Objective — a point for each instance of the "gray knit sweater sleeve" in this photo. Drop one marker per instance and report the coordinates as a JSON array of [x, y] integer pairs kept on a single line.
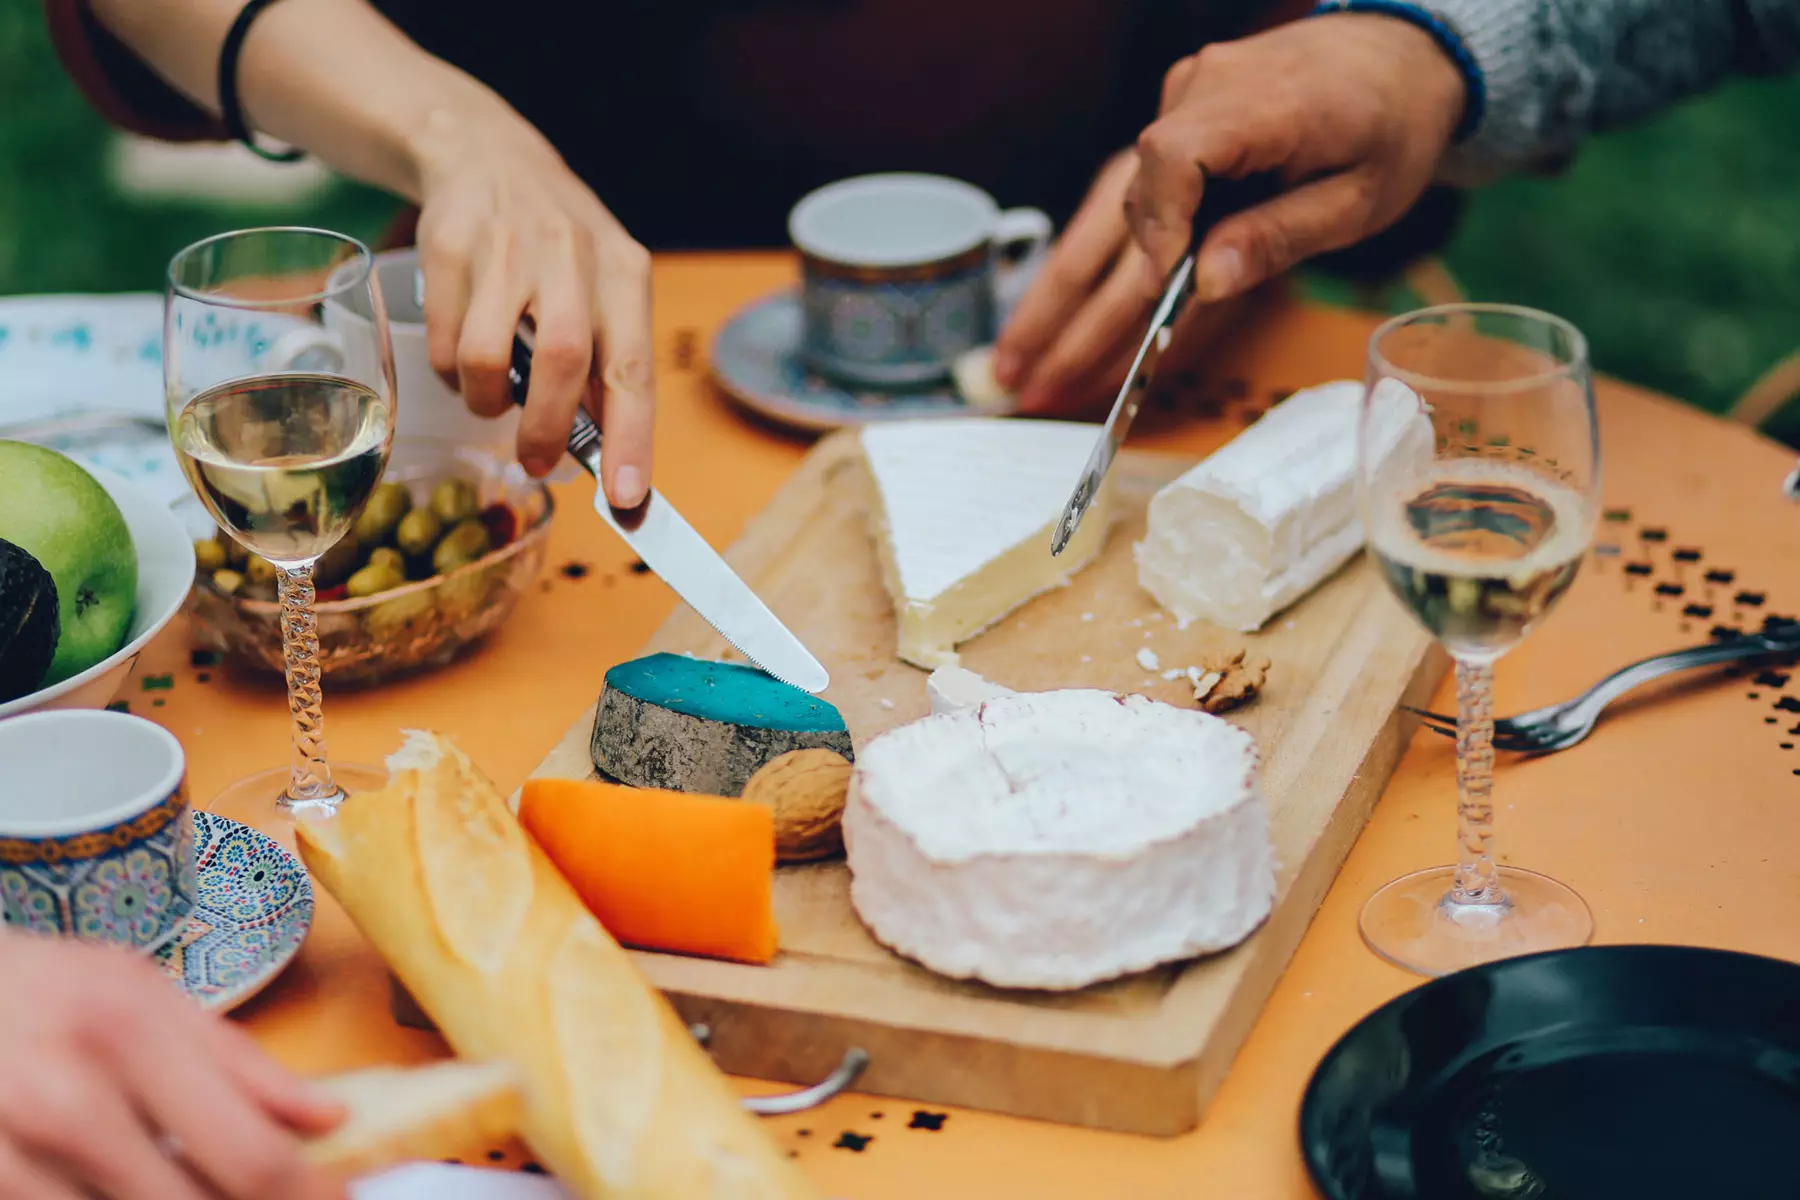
[[1557, 70]]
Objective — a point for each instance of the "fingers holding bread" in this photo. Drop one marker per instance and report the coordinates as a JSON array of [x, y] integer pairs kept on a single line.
[[406, 1114]]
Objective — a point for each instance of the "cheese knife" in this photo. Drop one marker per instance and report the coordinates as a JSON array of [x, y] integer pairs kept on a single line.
[[669, 546], [1221, 198], [672, 548]]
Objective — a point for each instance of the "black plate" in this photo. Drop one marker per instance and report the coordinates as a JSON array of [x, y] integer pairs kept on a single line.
[[1606, 1073]]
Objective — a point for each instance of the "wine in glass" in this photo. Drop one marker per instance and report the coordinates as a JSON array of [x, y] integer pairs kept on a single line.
[[282, 449], [1479, 536]]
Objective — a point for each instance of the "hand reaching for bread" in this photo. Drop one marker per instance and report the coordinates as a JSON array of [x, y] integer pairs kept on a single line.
[[112, 1083]]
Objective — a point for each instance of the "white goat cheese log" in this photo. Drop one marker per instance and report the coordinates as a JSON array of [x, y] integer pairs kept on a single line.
[[1057, 839], [1272, 514]]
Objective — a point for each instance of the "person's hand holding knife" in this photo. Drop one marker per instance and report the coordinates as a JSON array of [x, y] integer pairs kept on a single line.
[[1351, 113]]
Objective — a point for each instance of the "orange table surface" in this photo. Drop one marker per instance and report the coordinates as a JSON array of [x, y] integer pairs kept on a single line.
[[1675, 820]]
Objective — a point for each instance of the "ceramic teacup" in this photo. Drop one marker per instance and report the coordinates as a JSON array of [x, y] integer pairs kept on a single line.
[[902, 273], [96, 842], [427, 407]]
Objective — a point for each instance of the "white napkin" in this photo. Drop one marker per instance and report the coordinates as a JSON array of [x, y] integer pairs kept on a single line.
[[61, 355], [440, 1181]]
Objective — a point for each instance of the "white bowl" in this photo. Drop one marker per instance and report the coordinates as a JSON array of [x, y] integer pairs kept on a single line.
[[165, 555]]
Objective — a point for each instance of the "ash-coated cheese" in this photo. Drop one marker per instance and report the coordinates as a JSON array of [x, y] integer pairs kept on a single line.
[[1272, 514], [1057, 839], [962, 520], [693, 725]]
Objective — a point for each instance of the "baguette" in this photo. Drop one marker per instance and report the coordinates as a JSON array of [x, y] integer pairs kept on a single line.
[[619, 1101], [407, 1114]]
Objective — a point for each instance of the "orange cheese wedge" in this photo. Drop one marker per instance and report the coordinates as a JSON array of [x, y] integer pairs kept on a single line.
[[662, 870]]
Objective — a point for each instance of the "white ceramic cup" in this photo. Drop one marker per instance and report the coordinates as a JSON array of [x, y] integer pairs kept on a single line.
[[96, 841], [427, 406], [903, 273]]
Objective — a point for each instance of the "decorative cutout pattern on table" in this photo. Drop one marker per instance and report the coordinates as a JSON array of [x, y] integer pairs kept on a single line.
[[1680, 575]]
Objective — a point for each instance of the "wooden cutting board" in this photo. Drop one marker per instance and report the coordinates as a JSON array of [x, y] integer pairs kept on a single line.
[[1143, 1054]]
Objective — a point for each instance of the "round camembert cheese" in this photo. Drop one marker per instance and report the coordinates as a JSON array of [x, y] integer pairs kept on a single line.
[[1057, 839]]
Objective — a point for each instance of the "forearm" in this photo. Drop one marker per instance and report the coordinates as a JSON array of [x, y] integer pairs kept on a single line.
[[332, 76], [1558, 70]]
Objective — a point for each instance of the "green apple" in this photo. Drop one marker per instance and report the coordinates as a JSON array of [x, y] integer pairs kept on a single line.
[[59, 514]]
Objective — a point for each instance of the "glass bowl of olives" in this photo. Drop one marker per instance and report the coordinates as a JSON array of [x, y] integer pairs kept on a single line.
[[450, 539]]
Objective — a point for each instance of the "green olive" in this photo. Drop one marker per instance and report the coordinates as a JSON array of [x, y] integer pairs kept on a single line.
[[259, 570], [235, 555], [392, 617], [461, 597], [389, 557], [462, 545], [227, 580], [376, 577], [454, 500], [209, 556], [338, 563], [448, 557], [387, 504], [418, 531]]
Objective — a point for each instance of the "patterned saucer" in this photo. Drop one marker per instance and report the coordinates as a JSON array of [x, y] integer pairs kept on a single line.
[[253, 906], [756, 363]]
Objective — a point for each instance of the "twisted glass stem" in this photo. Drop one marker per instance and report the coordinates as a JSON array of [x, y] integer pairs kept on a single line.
[[311, 785], [1477, 879]]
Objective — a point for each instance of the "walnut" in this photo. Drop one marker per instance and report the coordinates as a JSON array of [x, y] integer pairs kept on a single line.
[[806, 789], [1224, 679]]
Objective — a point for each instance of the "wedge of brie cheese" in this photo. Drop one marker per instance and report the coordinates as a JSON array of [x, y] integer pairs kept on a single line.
[[962, 519], [1057, 839], [951, 689], [1271, 515]]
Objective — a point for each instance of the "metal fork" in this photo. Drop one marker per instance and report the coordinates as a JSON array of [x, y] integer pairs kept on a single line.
[[1559, 726]]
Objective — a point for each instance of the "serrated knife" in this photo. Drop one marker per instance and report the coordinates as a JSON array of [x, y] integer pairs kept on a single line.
[[671, 547], [1221, 198]]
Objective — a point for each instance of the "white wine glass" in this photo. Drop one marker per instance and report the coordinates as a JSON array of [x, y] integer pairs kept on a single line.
[[1479, 483], [283, 449]]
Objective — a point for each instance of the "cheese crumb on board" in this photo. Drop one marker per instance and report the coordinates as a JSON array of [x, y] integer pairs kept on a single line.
[[973, 373], [887, 704], [1062, 838], [962, 520], [1264, 520], [1146, 658], [952, 689]]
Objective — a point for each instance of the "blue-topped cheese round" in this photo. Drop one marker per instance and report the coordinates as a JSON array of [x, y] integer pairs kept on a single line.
[[693, 725]]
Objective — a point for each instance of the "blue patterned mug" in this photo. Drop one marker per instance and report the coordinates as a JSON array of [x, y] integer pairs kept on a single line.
[[95, 837], [902, 273]]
